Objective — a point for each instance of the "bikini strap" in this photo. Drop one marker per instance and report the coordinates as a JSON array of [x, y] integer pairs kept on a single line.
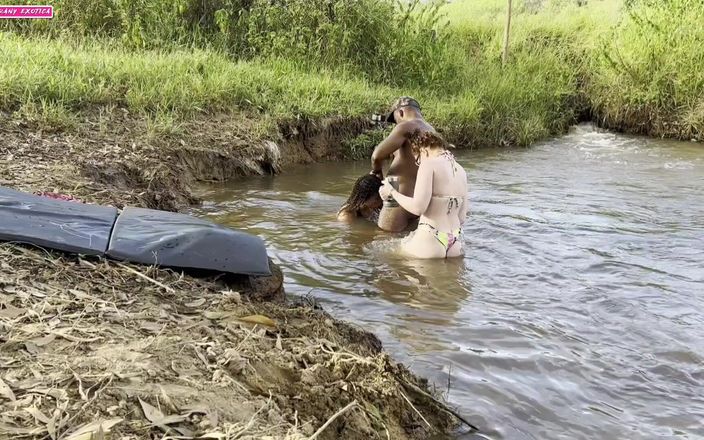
[[452, 200], [428, 225], [451, 157]]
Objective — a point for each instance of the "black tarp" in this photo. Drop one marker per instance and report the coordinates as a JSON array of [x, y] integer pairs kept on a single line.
[[169, 239], [138, 235], [66, 226]]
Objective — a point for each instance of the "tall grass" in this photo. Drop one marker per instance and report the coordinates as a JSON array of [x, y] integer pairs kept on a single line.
[[401, 44], [633, 68], [539, 92], [648, 76], [58, 74], [176, 81]]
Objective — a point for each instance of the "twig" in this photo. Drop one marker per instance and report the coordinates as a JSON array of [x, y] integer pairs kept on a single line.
[[250, 424], [440, 405], [415, 409], [151, 280], [85, 405], [68, 337], [332, 419]]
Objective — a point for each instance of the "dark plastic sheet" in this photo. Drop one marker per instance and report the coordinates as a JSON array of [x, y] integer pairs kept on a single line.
[[66, 226], [164, 238]]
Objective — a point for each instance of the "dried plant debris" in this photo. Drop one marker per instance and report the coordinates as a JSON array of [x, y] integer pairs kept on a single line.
[[92, 349], [89, 350]]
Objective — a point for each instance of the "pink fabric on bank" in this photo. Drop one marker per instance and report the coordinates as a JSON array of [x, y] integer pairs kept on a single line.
[[57, 196]]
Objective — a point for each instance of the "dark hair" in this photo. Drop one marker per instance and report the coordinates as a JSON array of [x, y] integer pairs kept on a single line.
[[426, 139], [364, 188]]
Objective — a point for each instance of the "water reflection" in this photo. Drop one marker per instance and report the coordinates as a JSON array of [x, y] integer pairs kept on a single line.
[[430, 285]]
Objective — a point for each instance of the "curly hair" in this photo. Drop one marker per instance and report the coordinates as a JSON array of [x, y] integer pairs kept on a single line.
[[426, 139], [364, 188]]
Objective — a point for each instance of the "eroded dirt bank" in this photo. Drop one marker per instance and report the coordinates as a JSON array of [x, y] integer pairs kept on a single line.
[[146, 352], [116, 158]]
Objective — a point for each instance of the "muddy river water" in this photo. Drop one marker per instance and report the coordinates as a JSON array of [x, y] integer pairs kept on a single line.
[[578, 311]]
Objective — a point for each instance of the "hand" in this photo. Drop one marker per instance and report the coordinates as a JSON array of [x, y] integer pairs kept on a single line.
[[378, 174], [385, 190]]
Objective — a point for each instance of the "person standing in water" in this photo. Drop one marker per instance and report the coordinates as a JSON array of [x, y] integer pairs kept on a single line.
[[440, 198], [406, 114]]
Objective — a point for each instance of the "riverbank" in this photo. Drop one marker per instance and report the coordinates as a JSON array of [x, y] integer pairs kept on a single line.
[[88, 341], [112, 157]]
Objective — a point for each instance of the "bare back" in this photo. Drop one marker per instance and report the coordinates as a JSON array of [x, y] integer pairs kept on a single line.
[[441, 200], [447, 208]]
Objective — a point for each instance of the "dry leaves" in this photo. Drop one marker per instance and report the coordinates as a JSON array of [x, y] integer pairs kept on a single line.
[[6, 391], [258, 319], [84, 362], [196, 303], [94, 430]]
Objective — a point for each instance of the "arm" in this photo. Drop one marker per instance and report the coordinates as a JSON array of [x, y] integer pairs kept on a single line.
[[422, 194], [386, 148]]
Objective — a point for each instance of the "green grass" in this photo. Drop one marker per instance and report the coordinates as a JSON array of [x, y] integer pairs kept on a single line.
[[564, 62], [648, 76], [182, 82]]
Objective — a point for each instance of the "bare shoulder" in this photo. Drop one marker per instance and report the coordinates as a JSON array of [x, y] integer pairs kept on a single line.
[[409, 127], [406, 127], [346, 216], [461, 170]]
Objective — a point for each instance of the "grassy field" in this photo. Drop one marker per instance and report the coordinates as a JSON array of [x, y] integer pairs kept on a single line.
[[634, 68]]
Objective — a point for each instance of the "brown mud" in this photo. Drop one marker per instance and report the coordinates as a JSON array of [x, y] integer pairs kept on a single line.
[[89, 346], [115, 158]]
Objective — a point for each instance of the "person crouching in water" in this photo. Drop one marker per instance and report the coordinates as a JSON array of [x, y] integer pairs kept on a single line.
[[364, 201], [440, 198]]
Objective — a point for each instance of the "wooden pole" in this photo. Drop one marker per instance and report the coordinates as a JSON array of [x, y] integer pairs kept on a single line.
[[504, 55]]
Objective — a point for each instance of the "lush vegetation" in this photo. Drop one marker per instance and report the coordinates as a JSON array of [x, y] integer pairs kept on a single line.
[[634, 66], [647, 76]]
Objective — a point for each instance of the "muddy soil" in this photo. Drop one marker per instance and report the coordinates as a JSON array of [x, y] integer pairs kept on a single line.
[[90, 346], [117, 158]]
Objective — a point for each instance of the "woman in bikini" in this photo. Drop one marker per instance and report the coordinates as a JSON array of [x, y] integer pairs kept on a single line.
[[364, 201], [440, 199]]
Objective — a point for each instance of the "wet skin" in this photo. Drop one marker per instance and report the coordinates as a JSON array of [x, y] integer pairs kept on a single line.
[[403, 164]]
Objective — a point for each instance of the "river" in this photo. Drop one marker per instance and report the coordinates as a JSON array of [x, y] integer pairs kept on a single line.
[[578, 311]]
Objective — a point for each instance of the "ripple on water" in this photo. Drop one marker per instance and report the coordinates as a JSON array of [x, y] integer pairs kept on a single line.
[[577, 312]]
